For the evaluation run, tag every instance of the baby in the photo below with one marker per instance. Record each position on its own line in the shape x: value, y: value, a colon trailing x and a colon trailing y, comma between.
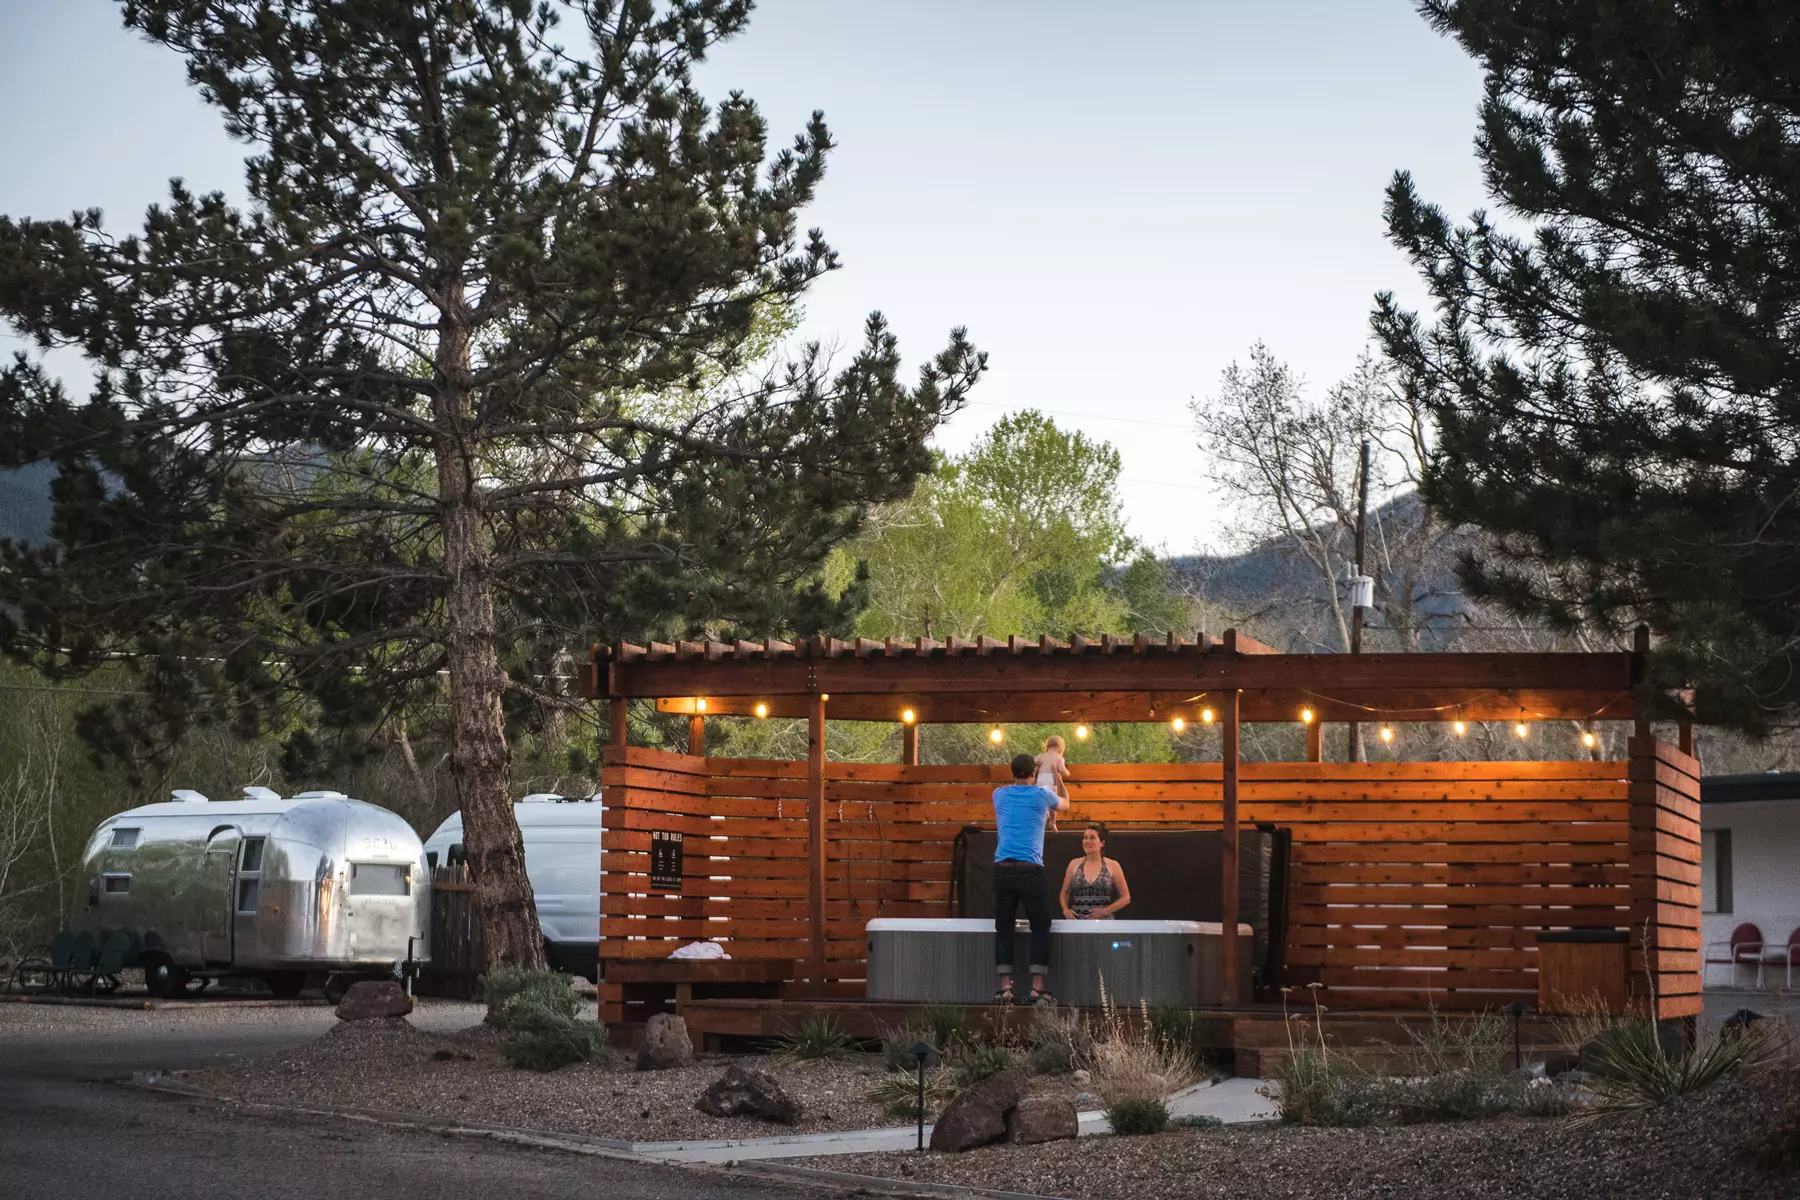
x: 1051, y: 771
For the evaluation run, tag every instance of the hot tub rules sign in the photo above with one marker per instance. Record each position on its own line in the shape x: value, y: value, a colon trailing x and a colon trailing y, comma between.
x: 665, y: 861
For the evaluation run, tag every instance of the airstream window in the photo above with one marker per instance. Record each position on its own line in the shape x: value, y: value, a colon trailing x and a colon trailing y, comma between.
x: 249, y: 895
x: 124, y: 839
x: 118, y: 883
x: 379, y: 879
x: 253, y: 852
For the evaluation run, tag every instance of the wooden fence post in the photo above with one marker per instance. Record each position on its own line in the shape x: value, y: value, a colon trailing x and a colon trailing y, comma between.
x: 1665, y: 878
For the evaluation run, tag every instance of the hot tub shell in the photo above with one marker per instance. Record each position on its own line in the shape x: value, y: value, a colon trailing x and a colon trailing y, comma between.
x: 950, y: 960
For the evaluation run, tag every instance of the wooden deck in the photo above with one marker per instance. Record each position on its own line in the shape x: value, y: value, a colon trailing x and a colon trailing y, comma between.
x: 1258, y: 1038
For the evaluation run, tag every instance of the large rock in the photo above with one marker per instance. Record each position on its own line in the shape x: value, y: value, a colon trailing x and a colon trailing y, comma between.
x: 977, y: 1115
x: 1042, y: 1117
x: 666, y: 1044
x: 371, y: 999
x: 748, y: 1093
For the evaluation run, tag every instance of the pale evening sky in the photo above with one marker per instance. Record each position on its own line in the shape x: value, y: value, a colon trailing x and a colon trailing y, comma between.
x: 1117, y: 200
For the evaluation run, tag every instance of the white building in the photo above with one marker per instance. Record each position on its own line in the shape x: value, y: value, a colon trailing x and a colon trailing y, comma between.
x: 1750, y: 872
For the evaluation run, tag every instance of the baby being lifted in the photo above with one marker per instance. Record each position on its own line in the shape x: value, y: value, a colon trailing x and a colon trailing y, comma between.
x: 1052, y: 770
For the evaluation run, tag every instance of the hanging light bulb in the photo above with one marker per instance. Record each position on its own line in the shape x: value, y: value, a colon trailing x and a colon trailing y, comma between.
x: 1206, y: 714
x: 995, y: 736
x: 1460, y: 728
x: 1587, y: 738
x: 1387, y: 733
x: 1519, y: 730
x: 762, y: 710
x: 1178, y: 724
x: 1081, y: 732
x: 700, y: 706
x: 1306, y: 716
x: 909, y: 716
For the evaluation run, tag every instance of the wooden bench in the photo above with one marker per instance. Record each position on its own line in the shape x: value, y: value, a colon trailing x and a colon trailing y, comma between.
x: 632, y: 989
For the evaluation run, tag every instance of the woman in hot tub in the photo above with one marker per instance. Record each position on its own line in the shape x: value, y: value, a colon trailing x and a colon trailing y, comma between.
x: 1094, y: 886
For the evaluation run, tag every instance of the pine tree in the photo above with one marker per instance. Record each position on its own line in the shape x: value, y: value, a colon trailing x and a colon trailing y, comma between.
x: 469, y: 383
x: 1616, y: 390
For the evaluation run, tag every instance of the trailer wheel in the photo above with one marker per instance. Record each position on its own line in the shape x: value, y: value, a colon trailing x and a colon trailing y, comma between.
x: 286, y: 984
x: 335, y: 987
x: 163, y: 979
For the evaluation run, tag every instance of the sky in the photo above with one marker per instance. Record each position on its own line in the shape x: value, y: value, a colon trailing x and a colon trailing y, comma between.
x: 1116, y: 200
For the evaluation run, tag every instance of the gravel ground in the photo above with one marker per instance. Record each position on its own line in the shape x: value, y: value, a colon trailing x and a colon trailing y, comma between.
x: 1698, y: 1147
x: 396, y: 1066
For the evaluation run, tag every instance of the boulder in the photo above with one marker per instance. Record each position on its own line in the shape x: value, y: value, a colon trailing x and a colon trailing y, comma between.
x: 666, y: 1044
x: 977, y: 1114
x: 744, y: 1092
x: 372, y: 999
x: 1042, y: 1117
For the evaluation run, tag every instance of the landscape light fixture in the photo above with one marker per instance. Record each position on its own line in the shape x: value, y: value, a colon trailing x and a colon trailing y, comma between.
x: 1081, y: 732
x: 1178, y: 724
x: 909, y: 716
x: 762, y: 710
x: 995, y: 736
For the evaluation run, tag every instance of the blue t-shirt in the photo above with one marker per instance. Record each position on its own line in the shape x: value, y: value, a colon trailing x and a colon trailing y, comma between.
x: 1020, y: 810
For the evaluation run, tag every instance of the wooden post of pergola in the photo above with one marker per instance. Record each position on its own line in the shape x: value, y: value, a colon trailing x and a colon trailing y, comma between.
x: 1228, y: 852
x: 909, y: 744
x: 697, y: 736
x: 815, y: 843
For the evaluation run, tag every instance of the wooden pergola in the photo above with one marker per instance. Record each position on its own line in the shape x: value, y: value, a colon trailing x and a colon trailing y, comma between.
x: 1538, y: 844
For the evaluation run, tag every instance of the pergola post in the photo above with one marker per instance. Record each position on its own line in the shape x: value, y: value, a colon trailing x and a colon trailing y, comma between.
x: 697, y: 736
x: 1228, y: 855
x: 815, y: 843
x: 615, y: 711
x: 1315, y: 741
x: 909, y: 744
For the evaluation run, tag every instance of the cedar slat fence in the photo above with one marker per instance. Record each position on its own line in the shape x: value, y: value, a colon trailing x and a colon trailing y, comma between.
x: 1413, y: 882
x: 458, y: 950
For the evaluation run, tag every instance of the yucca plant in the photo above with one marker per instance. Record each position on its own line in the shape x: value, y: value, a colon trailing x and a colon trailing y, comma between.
x: 975, y: 1063
x: 1637, y: 1072
x: 817, y: 1037
x: 898, y: 1093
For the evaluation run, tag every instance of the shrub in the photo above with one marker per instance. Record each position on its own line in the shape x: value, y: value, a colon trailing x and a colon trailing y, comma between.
x: 946, y: 1024
x: 817, y: 1037
x: 1322, y: 1088
x: 546, y: 1034
x: 899, y: 1093
x: 1196, y: 1121
x: 1639, y: 1071
x: 897, y: 1042
x: 1197, y: 1036
x: 1132, y: 1118
x: 1129, y: 1062
x: 974, y: 1063
x: 1059, y: 1041
x: 548, y: 989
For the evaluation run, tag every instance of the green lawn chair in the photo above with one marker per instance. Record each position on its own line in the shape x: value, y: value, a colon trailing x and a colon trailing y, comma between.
x: 82, y: 960
x: 44, y: 967
x: 113, y: 953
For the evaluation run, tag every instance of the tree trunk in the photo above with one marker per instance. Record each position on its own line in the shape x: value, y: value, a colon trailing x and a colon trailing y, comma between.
x: 479, y: 756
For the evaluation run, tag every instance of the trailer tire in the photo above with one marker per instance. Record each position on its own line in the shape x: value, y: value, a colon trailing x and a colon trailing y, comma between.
x: 285, y: 984
x: 335, y: 987
x: 164, y: 979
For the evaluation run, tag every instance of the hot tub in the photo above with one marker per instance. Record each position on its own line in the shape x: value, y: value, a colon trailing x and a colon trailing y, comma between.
x: 951, y: 960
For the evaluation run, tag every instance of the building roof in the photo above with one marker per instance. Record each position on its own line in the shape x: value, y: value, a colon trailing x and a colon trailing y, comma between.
x: 1761, y: 785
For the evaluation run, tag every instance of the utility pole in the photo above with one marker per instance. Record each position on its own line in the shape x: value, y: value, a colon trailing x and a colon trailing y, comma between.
x: 1362, y: 590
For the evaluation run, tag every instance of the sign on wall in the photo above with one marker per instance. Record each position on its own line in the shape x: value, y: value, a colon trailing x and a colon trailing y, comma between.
x: 665, y: 861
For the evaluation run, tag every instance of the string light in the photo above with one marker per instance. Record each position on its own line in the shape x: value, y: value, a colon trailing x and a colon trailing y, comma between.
x: 700, y: 706
x: 824, y: 696
x: 1387, y: 733
x: 1587, y: 738
x: 1206, y: 714
x: 1081, y: 732
x: 762, y: 710
x: 996, y: 737
x: 1519, y: 730
x: 1306, y: 716
x: 1178, y: 724
x: 1460, y: 728
x: 909, y: 716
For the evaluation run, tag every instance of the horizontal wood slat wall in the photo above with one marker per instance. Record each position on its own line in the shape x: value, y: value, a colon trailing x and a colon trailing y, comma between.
x: 1412, y: 882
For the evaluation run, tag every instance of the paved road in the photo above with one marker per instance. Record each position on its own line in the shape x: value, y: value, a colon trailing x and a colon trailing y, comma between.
x: 63, y: 1128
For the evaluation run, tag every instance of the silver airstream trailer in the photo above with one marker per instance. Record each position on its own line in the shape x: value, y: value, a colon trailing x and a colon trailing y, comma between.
x: 316, y: 884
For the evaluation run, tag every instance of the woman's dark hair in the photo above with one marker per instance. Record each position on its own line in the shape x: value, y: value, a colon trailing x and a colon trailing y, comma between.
x: 1098, y: 828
